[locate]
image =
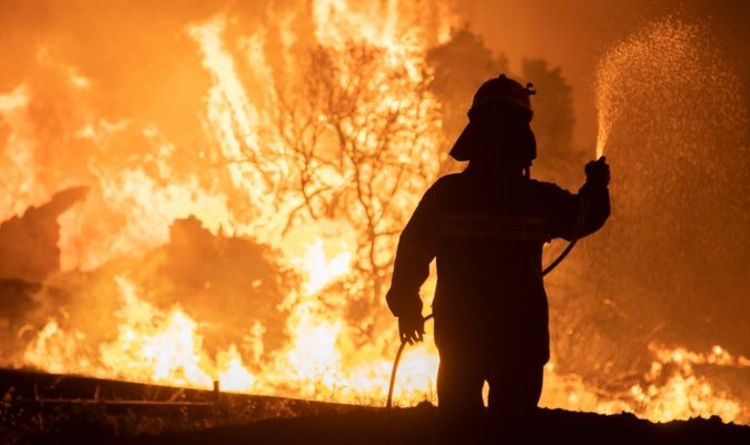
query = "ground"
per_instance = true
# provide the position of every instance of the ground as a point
(41, 408)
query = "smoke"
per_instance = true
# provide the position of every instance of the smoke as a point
(577, 34)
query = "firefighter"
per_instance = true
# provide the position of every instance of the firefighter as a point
(486, 227)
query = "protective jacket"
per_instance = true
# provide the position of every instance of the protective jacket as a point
(487, 236)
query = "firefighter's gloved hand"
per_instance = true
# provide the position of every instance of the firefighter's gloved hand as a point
(411, 328)
(597, 173)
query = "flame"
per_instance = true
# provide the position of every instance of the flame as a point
(305, 183)
(670, 389)
(322, 359)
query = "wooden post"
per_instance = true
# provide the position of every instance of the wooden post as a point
(217, 401)
(39, 399)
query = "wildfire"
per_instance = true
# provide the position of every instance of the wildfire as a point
(165, 347)
(320, 155)
(158, 346)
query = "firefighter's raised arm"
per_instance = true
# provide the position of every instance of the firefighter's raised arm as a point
(574, 216)
(595, 197)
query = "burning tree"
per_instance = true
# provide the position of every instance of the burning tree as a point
(357, 135)
(363, 144)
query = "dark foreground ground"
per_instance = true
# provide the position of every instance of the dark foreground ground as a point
(413, 425)
(45, 409)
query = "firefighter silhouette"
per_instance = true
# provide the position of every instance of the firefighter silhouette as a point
(486, 227)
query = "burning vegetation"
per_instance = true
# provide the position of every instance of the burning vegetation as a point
(231, 212)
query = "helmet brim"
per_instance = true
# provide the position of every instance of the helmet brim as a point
(464, 147)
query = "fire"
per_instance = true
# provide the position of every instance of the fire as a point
(321, 270)
(670, 389)
(319, 154)
(158, 346)
(165, 346)
(322, 359)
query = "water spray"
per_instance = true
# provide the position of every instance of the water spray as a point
(600, 141)
(604, 118)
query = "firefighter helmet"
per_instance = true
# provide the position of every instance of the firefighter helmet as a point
(501, 91)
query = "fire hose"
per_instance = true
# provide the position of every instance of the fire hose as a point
(579, 223)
